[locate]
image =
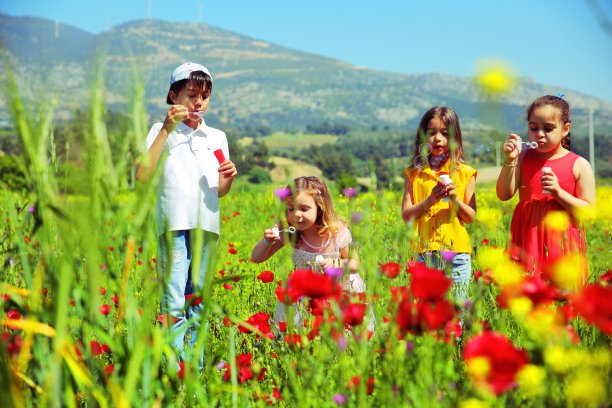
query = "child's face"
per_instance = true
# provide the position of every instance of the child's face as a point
(302, 211)
(546, 128)
(437, 137)
(193, 98)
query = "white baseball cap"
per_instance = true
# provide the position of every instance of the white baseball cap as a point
(183, 72)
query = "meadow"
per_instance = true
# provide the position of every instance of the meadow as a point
(82, 324)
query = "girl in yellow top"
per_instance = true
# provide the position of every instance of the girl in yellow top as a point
(440, 208)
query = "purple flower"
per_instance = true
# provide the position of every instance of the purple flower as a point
(339, 399)
(342, 343)
(350, 192)
(282, 193)
(333, 273)
(10, 261)
(221, 365)
(448, 256)
(409, 346)
(356, 217)
(32, 209)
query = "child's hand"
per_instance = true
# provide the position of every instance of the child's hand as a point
(451, 192)
(512, 147)
(228, 169)
(330, 263)
(271, 234)
(438, 193)
(175, 115)
(550, 182)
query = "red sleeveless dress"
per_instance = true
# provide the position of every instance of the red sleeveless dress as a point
(532, 243)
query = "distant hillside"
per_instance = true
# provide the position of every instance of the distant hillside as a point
(255, 82)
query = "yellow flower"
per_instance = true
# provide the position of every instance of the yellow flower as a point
(586, 389)
(557, 220)
(478, 367)
(601, 358)
(488, 257)
(544, 323)
(495, 77)
(507, 273)
(531, 380)
(586, 214)
(557, 358)
(520, 307)
(473, 403)
(489, 218)
(567, 272)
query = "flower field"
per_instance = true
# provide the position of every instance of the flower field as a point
(81, 323)
(81, 315)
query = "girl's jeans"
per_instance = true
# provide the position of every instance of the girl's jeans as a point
(461, 271)
(175, 262)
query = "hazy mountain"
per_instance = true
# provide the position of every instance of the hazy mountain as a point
(255, 82)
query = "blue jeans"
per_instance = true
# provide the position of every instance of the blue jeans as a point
(175, 256)
(461, 270)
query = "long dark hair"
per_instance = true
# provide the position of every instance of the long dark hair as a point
(451, 121)
(558, 103)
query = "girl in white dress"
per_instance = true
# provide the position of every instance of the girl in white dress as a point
(320, 240)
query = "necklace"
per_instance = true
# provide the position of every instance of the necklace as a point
(304, 240)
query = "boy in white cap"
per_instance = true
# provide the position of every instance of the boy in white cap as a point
(196, 173)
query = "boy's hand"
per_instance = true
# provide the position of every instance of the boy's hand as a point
(512, 147)
(175, 115)
(228, 169)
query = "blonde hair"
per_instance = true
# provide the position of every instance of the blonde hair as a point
(327, 221)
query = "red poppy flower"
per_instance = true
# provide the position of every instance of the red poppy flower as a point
(434, 315)
(312, 284)
(294, 339)
(102, 290)
(259, 321)
(505, 360)
(353, 313)
(593, 304)
(539, 291)
(115, 300)
(266, 276)
(227, 286)
(109, 369)
(390, 269)
(105, 309)
(286, 295)
(606, 277)
(232, 251)
(95, 348)
(282, 326)
(407, 316)
(428, 283)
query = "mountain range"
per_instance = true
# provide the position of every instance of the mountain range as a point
(255, 82)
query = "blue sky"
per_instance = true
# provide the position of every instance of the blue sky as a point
(555, 42)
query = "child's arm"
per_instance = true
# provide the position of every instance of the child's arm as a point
(146, 167)
(411, 210)
(227, 172)
(466, 207)
(509, 176)
(268, 246)
(585, 187)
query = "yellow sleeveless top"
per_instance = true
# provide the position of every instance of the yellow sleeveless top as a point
(440, 229)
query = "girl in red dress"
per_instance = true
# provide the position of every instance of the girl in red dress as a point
(549, 178)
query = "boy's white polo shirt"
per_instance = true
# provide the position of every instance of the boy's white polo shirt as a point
(188, 192)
